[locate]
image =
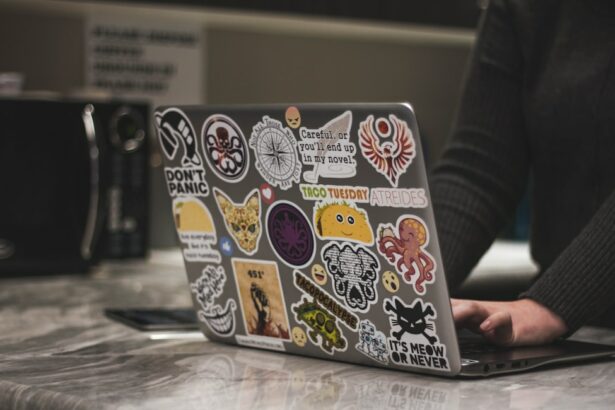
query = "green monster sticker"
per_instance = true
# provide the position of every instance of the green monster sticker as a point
(321, 323)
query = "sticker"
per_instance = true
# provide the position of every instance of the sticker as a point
(275, 149)
(319, 274)
(243, 221)
(290, 234)
(174, 127)
(195, 228)
(398, 197)
(355, 194)
(342, 220)
(320, 313)
(372, 342)
(393, 157)
(405, 250)
(261, 298)
(299, 336)
(226, 246)
(305, 284)
(328, 149)
(267, 193)
(293, 117)
(320, 323)
(224, 148)
(207, 288)
(413, 341)
(186, 181)
(390, 281)
(354, 270)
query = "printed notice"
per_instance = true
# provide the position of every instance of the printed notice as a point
(135, 58)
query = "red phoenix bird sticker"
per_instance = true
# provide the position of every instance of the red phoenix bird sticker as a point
(392, 157)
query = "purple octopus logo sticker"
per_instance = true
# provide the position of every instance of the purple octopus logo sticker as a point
(290, 234)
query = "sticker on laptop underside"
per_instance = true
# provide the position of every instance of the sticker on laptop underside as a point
(196, 230)
(372, 342)
(208, 287)
(175, 129)
(398, 197)
(261, 298)
(225, 148)
(290, 234)
(242, 220)
(404, 247)
(275, 151)
(388, 145)
(342, 220)
(412, 340)
(328, 150)
(317, 192)
(354, 270)
(186, 181)
(322, 316)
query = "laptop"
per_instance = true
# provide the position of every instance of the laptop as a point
(308, 229)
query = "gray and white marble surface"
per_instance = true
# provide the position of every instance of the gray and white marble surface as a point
(58, 351)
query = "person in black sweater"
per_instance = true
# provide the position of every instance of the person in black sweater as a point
(539, 104)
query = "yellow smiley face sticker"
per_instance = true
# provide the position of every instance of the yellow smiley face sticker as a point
(319, 275)
(299, 336)
(390, 280)
(341, 220)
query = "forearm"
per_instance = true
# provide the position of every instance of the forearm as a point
(580, 284)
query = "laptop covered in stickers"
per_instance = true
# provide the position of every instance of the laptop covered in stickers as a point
(308, 229)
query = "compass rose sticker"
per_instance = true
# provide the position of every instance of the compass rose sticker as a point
(275, 149)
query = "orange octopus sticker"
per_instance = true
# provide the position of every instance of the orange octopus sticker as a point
(404, 247)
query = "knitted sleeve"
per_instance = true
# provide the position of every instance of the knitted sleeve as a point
(580, 284)
(476, 185)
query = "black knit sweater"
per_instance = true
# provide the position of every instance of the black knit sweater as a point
(539, 104)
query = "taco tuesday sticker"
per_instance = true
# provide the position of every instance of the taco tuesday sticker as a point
(275, 151)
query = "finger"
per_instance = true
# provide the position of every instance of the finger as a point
(469, 314)
(497, 328)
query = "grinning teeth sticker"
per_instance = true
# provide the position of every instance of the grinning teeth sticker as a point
(413, 341)
(224, 148)
(404, 247)
(195, 228)
(355, 273)
(341, 220)
(328, 149)
(206, 289)
(275, 149)
(372, 342)
(392, 157)
(398, 197)
(290, 234)
(261, 298)
(243, 221)
(175, 127)
(357, 194)
(321, 315)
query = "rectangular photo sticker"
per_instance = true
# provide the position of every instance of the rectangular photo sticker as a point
(262, 303)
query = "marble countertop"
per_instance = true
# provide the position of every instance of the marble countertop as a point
(58, 351)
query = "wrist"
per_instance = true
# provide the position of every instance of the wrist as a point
(543, 320)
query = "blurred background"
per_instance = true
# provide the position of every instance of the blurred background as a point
(145, 53)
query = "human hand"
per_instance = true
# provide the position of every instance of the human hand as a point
(519, 323)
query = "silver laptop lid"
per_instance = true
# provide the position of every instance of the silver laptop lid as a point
(308, 229)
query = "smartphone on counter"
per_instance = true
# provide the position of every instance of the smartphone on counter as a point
(155, 319)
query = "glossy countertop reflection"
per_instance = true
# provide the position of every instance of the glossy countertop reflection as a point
(58, 351)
